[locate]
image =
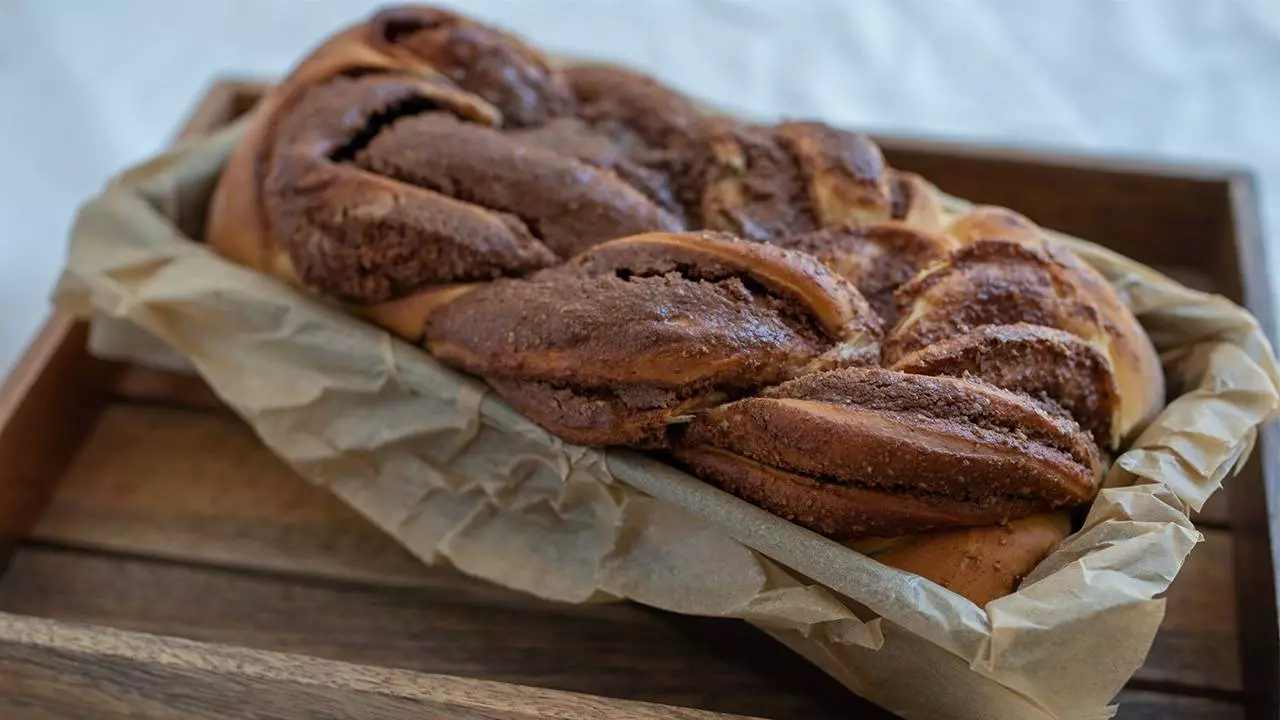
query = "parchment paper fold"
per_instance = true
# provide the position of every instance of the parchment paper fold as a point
(459, 478)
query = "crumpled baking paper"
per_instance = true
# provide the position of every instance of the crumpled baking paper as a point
(461, 479)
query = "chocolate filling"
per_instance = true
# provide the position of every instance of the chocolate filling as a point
(967, 401)
(877, 259)
(840, 510)
(379, 121)
(990, 282)
(479, 59)
(756, 185)
(671, 322)
(572, 205)
(1049, 364)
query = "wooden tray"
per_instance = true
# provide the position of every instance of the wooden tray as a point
(136, 510)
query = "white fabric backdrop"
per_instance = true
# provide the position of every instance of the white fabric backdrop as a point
(89, 86)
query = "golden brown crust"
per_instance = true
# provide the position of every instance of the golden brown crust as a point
(848, 180)
(1070, 295)
(765, 183)
(978, 563)
(915, 201)
(987, 222)
(406, 316)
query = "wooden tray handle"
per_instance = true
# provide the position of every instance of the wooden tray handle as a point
(80, 671)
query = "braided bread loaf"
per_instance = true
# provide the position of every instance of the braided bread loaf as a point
(771, 307)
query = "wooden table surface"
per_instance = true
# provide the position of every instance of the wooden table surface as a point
(173, 519)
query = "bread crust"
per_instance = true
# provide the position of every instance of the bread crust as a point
(978, 563)
(841, 356)
(1095, 313)
(610, 348)
(867, 452)
(877, 258)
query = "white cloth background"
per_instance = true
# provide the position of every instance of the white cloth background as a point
(89, 86)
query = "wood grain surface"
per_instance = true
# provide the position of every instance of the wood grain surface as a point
(453, 625)
(183, 484)
(47, 404)
(1148, 705)
(1156, 218)
(1255, 508)
(56, 390)
(467, 628)
(55, 670)
(1198, 644)
(164, 387)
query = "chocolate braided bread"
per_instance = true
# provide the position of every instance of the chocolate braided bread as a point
(771, 306)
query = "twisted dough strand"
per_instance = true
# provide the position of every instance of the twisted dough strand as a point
(772, 306)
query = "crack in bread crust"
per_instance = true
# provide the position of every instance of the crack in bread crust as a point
(915, 201)
(364, 239)
(828, 299)
(478, 59)
(877, 258)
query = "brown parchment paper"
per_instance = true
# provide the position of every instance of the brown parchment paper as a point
(461, 479)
